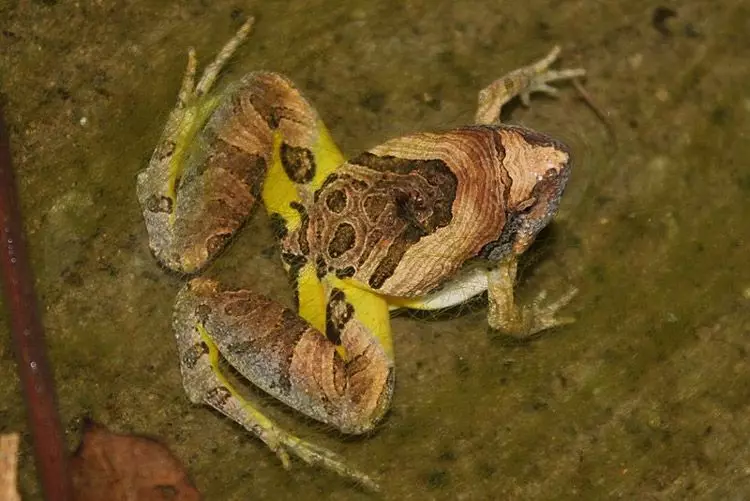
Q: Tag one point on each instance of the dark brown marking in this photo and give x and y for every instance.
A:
(387, 163)
(344, 238)
(295, 263)
(387, 266)
(167, 149)
(501, 246)
(321, 267)
(202, 311)
(359, 363)
(336, 201)
(298, 163)
(304, 245)
(218, 396)
(347, 272)
(264, 104)
(338, 313)
(159, 204)
(538, 139)
(191, 356)
(407, 207)
(278, 224)
(332, 178)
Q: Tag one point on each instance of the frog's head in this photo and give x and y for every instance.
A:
(539, 168)
(535, 168)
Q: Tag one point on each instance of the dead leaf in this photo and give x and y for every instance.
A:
(9, 467)
(127, 468)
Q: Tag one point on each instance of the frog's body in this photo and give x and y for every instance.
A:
(397, 226)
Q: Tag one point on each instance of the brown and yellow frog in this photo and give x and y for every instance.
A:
(425, 221)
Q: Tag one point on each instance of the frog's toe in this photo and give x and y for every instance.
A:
(544, 316)
(541, 82)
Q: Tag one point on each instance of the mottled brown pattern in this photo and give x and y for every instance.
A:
(273, 97)
(372, 240)
(223, 170)
(248, 168)
(400, 218)
(261, 329)
(279, 352)
(434, 201)
(403, 201)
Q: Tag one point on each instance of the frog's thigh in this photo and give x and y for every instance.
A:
(282, 354)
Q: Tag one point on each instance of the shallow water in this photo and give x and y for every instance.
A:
(645, 396)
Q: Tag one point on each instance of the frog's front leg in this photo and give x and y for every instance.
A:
(282, 354)
(535, 77)
(520, 321)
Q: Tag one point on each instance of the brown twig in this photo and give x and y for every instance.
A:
(28, 338)
(595, 108)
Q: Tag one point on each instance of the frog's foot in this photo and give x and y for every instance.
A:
(205, 384)
(535, 77)
(175, 130)
(526, 321)
(539, 316)
(281, 442)
(534, 318)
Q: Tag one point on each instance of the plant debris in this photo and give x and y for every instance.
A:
(118, 467)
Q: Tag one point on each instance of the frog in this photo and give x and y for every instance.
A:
(426, 221)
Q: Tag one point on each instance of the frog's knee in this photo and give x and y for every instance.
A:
(366, 405)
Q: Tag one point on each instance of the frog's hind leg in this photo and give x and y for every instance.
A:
(535, 77)
(285, 356)
(223, 150)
